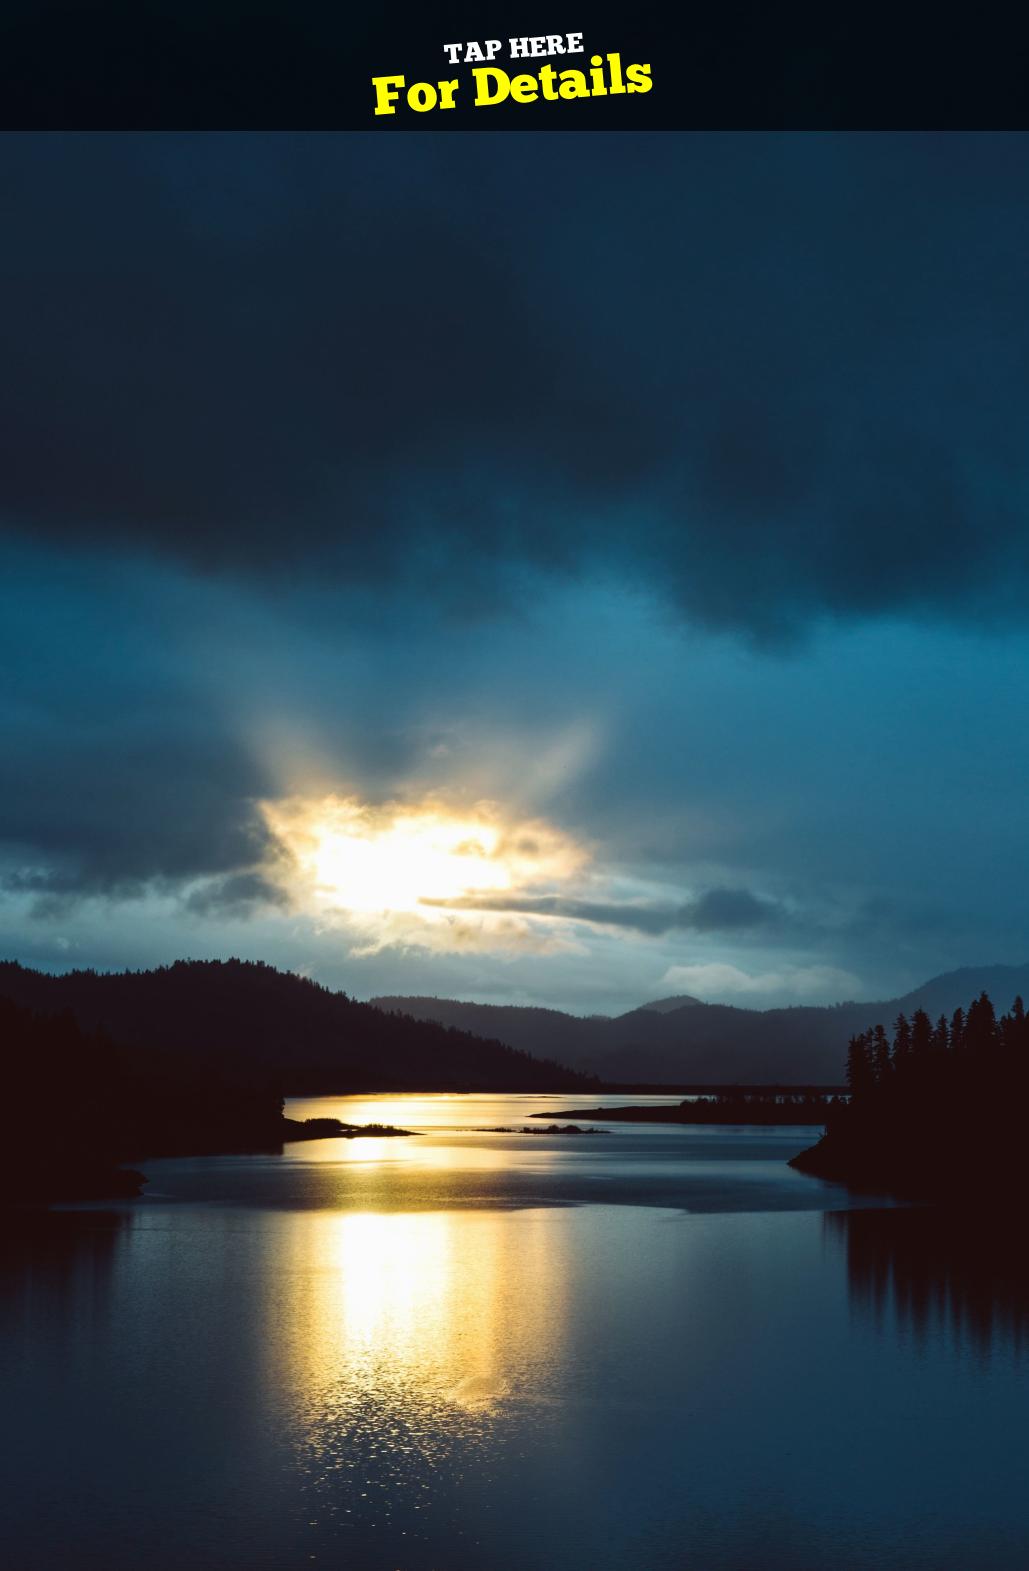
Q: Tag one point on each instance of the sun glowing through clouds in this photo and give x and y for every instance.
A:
(363, 864)
(415, 872)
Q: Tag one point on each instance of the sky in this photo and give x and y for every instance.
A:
(555, 568)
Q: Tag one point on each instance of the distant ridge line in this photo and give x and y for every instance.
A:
(700, 1044)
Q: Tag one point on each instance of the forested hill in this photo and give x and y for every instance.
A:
(246, 1016)
(936, 1110)
(698, 1043)
(572, 1039)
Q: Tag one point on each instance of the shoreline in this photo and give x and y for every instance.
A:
(773, 1115)
(38, 1189)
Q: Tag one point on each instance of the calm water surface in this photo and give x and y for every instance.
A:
(653, 1348)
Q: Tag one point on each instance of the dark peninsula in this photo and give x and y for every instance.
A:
(88, 1109)
(935, 1111)
(754, 1105)
(104, 1071)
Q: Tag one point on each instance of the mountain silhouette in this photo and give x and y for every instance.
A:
(686, 1042)
(667, 1006)
(248, 1019)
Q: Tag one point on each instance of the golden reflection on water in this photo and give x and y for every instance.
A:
(392, 1110)
(403, 1337)
(392, 1276)
(433, 1109)
(457, 1154)
(439, 1301)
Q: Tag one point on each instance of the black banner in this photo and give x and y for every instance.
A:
(224, 64)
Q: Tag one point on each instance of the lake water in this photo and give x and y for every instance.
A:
(654, 1348)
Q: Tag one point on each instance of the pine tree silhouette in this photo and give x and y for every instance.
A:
(941, 1111)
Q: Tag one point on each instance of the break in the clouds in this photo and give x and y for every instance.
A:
(657, 503)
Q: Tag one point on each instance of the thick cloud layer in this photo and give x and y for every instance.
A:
(777, 377)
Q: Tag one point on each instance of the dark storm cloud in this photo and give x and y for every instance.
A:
(723, 910)
(777, 378)
(236, 895)
(716, 911)
(161, 814)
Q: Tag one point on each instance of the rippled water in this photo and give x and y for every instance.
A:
(654, 1348)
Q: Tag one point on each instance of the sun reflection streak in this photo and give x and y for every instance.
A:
(393, 1276)
(406, 1334)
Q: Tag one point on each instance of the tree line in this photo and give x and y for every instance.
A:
(933, 1108)
(973, 1047)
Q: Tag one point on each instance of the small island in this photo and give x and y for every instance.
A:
(549, 1129)
(335, 1129)
(935, 1111)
